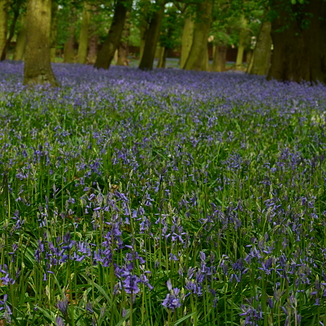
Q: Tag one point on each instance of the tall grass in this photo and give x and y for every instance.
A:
(161, 198)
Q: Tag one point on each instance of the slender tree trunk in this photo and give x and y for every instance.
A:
(205, 63)
(123, 54)
(143, 31)
(53, 32)
(92, 49)
(93, 38)
(198, 49)
(3, 24)
(37, 69)
(16, 10)
(21, 40)
(241, 46)
(219, 59)
(187, 36)
(152, 36)
(123, 49)
(144, 24)
(69, 47)
(83, 36)
(111, 43)
(162, 57)
(299, 51)
(260, 61)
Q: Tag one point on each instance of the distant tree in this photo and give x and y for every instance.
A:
(69, 45)
(15, 8)
(20, 39)
(152, 35)
(170, 33)
(111, 43)
(84, 34)
(187, 36)
(261, 58)
(37, 69)
(202, 24)
(123, 48)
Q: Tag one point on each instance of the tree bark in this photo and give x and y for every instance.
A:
(21, 40)
(93, 38)
(241, 45)
(16, 10)
(123, 48)
(37, 69)
(3, 24)
(260, 61)
(152, 36)
(202, 24)
(187, 36)
(53, 32)
(299, 51)
(69, 47)
(92, 49)
(162, 57)
(219, 59)
(83, 36)
(111, 43)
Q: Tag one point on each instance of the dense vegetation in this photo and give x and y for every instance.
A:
(161, 198)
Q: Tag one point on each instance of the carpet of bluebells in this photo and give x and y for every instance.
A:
(166, 197)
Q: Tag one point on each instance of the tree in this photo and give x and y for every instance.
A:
(112, 40)
(299, 40)
(83, 36)
(198, 51)
(242, 42)
(54, 31)
(187, 36)
(123, 47)
(37, 69)
(3, 24)
(15, 7)
(20, 40)
(69, 46)
(260, 61)
(152, 36)
(169, 36)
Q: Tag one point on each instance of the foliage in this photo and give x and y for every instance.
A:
(171, 29)
(161, 198)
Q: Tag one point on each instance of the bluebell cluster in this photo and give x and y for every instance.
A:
(175, 191)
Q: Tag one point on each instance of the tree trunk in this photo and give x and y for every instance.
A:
(143, 31)
(162, 57)
(92, 49)
(37, 69)
(123, 48)
(53, 32)
(93, 38)
(69, 47)
(21, 40)
(123, 54)
(219, 59)
(299, 51)
(260, 61)
(202, 24)
(16, 10)
(187, 35)
(241, 45)
(83, 36)
(111, 43)
(152, 36)
(3, 24)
